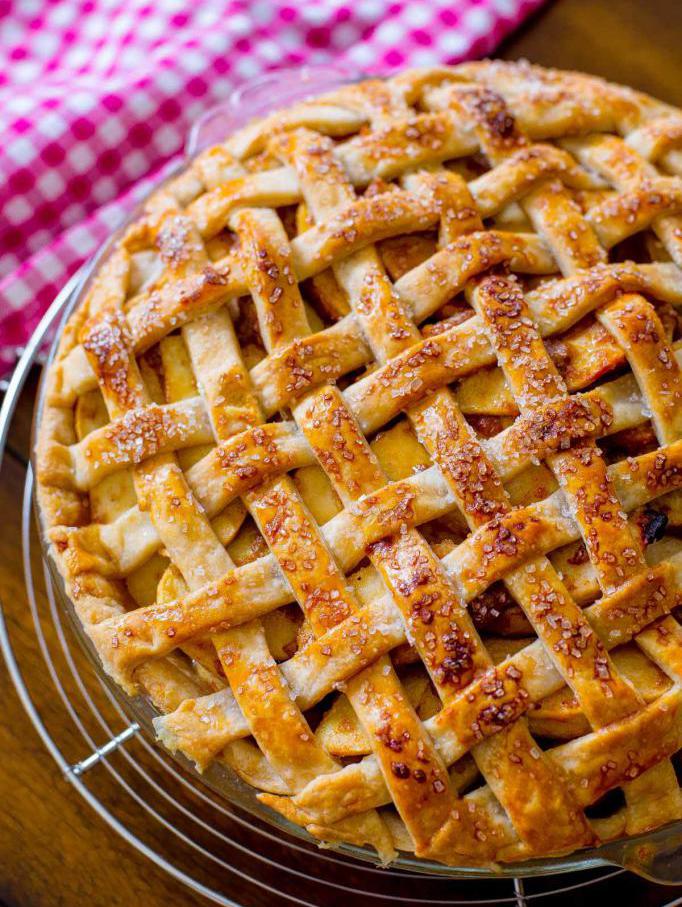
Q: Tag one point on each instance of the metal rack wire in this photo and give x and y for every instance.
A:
(169, 815)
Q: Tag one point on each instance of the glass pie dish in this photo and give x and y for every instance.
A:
(656, 855)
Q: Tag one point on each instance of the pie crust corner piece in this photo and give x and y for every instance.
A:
(362, 461)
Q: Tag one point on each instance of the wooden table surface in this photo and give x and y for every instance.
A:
(54, 850)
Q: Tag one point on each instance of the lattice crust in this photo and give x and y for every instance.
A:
(362, 459)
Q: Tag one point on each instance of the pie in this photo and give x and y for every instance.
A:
(362, 460)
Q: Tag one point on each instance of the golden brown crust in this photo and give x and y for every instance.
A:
(363, 357)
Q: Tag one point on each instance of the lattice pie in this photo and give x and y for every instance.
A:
(363, 461)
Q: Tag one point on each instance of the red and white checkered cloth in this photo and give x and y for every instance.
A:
(96, 96)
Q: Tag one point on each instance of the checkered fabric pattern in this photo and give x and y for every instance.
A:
(97, 95)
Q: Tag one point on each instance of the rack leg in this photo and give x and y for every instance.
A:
(80, 768)
(520, 893)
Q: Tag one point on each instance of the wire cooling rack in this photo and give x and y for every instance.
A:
(168, 815)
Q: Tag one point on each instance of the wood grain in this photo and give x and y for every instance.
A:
(634, 42)
(54, 850)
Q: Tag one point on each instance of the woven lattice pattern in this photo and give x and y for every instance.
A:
(363, 459)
